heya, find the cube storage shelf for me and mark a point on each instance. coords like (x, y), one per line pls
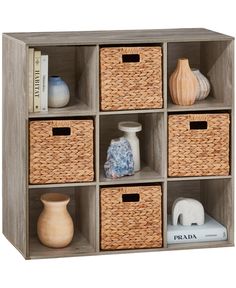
(75, 57)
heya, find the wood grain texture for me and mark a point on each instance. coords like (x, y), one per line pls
(78, 247)
(213, 244)
(77, 108)
(170, 179)
(86, 213)
(164, 73)
(75, 250)
(209, 104)
(217, 199)
(217, 66)
(145, 175)
(97, 218)
(152, 141)
(164, 213)
(118, 37)
(86, 75)
(14, 176)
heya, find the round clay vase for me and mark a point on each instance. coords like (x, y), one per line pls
(183, 84)
(55, 226)
(203, 85)
(58, 92)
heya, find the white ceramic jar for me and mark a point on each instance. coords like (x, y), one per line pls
(58, 92)
(203, 85)
(130, 129)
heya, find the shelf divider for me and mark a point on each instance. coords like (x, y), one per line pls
(197, 178)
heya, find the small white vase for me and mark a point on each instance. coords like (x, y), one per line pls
(58, 92)
(203, 85)
(130, 128)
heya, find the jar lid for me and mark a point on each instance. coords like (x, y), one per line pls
(129, 126)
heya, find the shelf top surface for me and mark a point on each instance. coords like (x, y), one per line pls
(118, 37)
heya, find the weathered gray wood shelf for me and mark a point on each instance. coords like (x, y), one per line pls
(75, 57)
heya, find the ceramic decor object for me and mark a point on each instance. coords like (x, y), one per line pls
(203, 85)
(130, 129)
(58, 92)
(183, 84)
(120, 160)
(55, 226)
(189, 211)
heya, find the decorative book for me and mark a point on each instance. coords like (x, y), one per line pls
(211, 230)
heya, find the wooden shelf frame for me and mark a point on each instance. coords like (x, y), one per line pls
(21, 200)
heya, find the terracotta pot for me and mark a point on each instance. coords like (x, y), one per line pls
(203, 85)
(55, 226)
(183, 84)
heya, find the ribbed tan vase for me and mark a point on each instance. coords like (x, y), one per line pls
(183, 84)
(55, 226)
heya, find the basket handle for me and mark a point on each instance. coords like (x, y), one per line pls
(131, 197)
(130, 58)
(198, 125)
(61, 131)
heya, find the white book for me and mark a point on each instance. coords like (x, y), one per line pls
(31, 79)
(37, 71)
(44, 83)
(211, 230)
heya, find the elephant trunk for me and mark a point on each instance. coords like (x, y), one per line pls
(175, 217)
(176, 211)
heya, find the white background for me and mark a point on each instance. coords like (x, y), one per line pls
(193, 268)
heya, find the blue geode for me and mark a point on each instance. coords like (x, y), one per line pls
(120, 161)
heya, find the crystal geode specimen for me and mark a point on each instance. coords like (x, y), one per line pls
(120, 160)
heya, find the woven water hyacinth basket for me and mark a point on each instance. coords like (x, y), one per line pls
(198, 144)
(131, 78)
(61, 151)
(131, 217)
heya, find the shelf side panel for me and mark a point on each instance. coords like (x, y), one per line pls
(87, 74)
(14, 172)
(217, 198)
(217, 64)
(86, 213)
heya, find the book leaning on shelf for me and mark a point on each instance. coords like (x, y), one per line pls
(38, 81)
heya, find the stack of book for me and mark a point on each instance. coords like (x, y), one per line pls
(38, 81)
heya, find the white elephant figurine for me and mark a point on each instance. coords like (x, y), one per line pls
(189, 210)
